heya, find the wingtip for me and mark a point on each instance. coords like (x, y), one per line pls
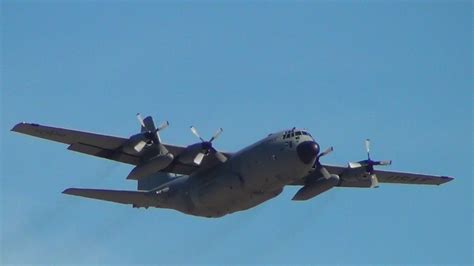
(69, 191)
(17, 127)
(448, 178)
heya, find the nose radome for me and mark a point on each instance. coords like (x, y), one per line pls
(307, 151)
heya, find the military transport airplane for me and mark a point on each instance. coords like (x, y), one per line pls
(199, 180)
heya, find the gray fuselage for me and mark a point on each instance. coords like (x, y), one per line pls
(251, 176)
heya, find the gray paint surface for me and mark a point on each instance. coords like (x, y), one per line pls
(213, 188)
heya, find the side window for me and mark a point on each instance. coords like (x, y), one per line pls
(298, 133)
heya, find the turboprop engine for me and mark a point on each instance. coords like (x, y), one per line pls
(368, 166)
(313, 188)
(195, 153)
(149, 140)
(151, 166)
(148, 137)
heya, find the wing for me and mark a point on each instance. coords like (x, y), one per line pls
(109, 147)
(359, 178)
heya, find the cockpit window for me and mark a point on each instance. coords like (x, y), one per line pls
(290, 134)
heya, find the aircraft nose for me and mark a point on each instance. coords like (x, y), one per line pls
(307, 151)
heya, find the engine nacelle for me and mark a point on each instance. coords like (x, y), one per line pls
(152, 166)
(188, 154)
(129, 146)
(317, 187)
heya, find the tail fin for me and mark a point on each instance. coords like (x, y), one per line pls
(154, 181)
(148, 124)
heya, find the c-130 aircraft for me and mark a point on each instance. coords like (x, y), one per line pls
(201, 181)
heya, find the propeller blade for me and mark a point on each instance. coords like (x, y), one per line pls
(139, 146)
(367, 147)
(354, 165)
(196, 133)
(216, 135)
(221, 157)
(163, 150)
(198, 158)
(387, 162)
(326, 152)
(163, 126)
(374, 181)
(140, 119)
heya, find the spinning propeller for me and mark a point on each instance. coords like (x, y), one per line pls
(317, 165)
(150, 134)
(207, 148)
(369, 164)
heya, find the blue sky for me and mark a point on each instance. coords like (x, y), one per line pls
(397, 72)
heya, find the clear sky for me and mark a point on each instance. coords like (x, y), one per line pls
(397, 72)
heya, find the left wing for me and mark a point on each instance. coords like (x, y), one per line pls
(109, 147)
(350, 177)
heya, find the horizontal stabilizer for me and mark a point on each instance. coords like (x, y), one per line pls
(138, 198)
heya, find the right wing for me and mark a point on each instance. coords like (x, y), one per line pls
(110, 147)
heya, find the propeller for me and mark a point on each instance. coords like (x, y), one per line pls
(207, 148)
(319, 166)
(325, 152)
(150, 134)
(369, 164)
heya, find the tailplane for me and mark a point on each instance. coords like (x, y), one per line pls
(136, 198)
